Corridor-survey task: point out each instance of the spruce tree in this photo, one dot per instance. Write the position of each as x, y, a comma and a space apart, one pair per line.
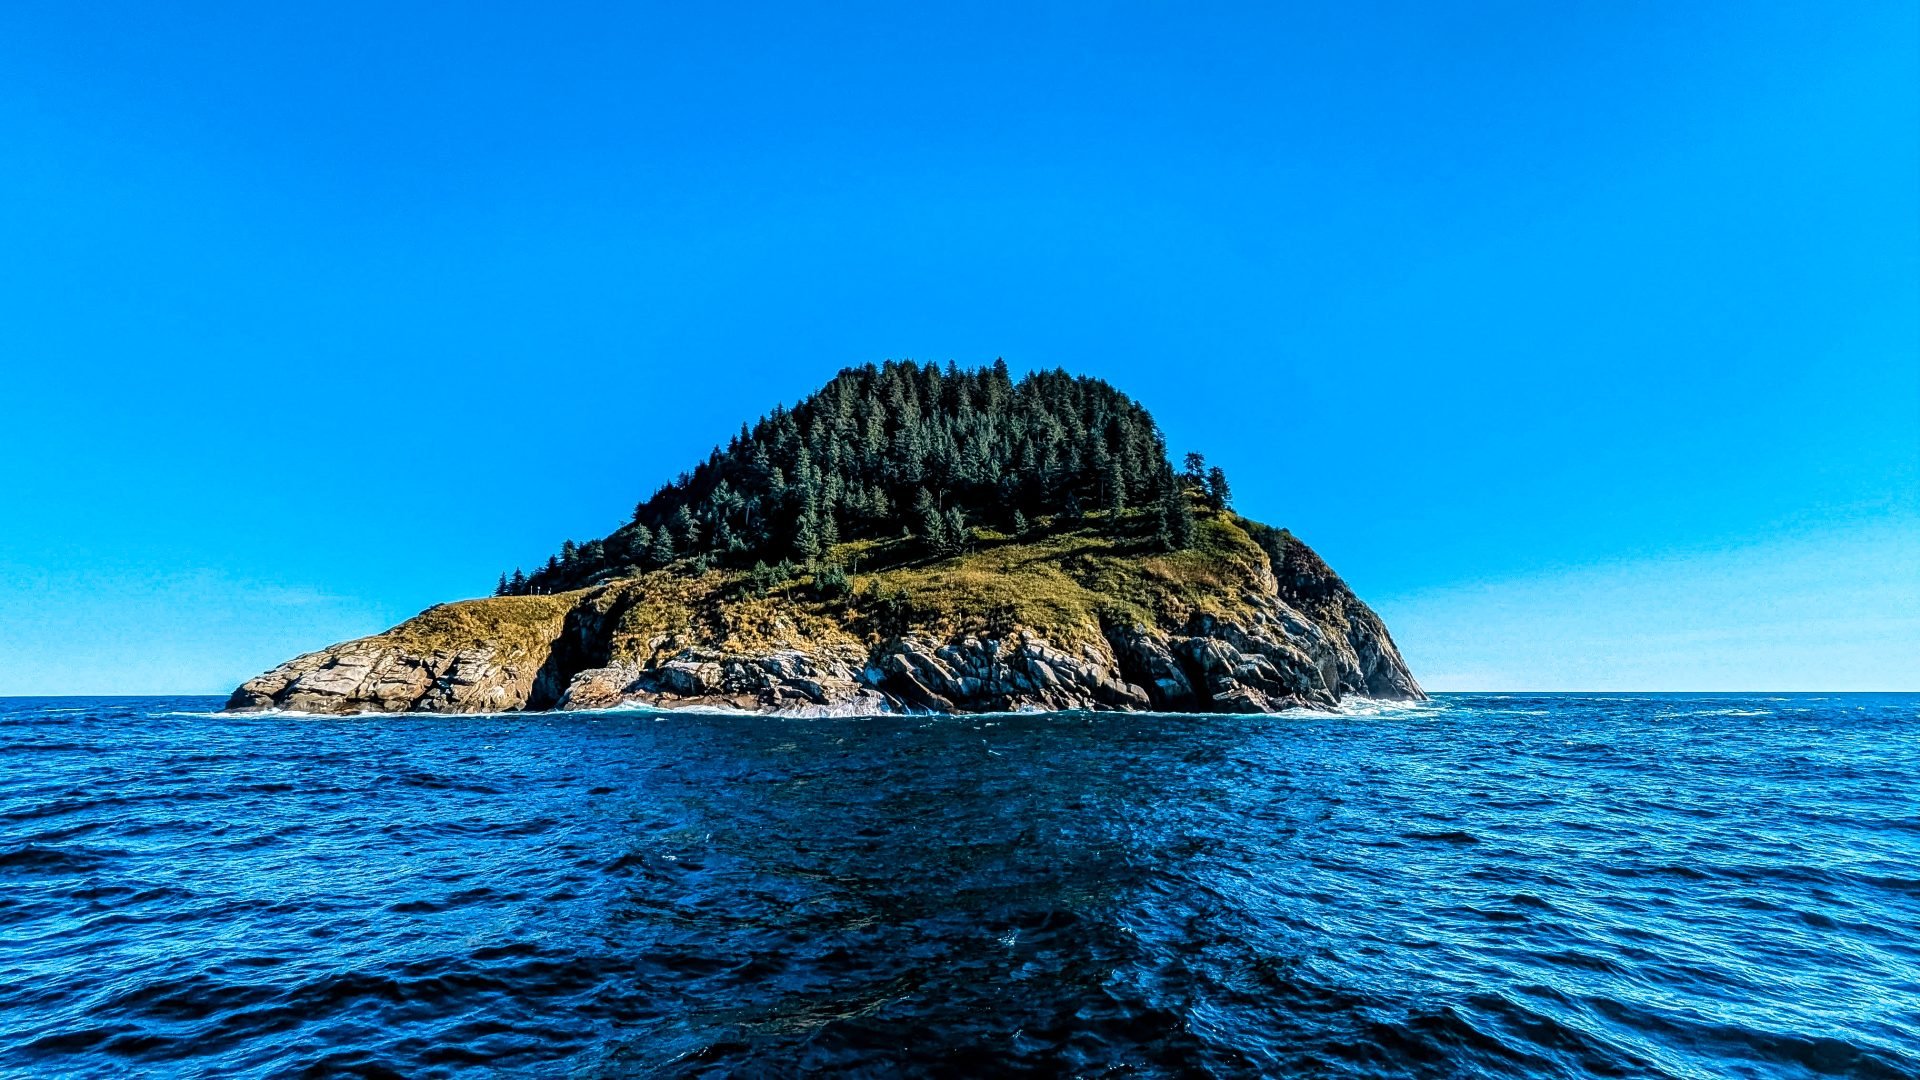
1172, 517
1180, 521
688, 528
954, 531
928, 521
1194, 473
806, 539
854, 458
1219, 496
760, 579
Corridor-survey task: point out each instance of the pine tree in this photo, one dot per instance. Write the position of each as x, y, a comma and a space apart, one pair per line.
688, 528
953, 532
806, 538
895, 449
760, 579
1070, 510
1219, 496
1194, 473
929, 523
517, 584
1173, 518
501, 589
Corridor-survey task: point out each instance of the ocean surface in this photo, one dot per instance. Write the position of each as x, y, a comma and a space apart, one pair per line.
1526, 886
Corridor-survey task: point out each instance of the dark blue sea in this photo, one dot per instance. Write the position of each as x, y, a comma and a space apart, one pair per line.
1523, 886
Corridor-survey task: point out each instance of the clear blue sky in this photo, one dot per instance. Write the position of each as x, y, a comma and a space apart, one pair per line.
1584, 340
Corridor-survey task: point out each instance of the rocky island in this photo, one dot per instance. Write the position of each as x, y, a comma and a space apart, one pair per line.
906, 538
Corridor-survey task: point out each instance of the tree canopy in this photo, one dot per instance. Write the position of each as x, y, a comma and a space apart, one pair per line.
900, 448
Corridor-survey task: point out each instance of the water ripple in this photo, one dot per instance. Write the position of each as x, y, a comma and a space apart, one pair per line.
1511, 885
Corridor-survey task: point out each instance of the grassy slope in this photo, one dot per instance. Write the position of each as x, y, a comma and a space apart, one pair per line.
513, 625
1061, 582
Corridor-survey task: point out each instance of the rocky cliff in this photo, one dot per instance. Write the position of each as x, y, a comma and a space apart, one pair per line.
1249, 620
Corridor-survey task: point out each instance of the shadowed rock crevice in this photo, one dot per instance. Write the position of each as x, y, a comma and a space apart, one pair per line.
1251, 627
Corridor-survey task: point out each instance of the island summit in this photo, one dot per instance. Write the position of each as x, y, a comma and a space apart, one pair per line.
907, 538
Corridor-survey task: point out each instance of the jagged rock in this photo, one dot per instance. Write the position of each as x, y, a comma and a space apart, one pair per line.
1298, 638
364, 676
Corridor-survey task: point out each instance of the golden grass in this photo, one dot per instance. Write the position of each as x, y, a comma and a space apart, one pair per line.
512, 625
1063, 585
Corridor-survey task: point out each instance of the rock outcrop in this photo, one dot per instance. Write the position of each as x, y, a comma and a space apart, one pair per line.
1290, 634
478, 656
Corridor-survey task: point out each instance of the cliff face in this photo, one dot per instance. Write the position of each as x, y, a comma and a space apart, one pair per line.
1077, 621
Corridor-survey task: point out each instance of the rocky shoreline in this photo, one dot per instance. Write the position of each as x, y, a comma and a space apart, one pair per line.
1302, 641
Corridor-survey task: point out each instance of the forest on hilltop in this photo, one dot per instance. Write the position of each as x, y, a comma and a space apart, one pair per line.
903, 450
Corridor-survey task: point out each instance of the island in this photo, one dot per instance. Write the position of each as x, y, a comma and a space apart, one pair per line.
907, 538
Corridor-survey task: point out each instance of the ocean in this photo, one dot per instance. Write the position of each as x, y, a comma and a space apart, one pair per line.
1482, 885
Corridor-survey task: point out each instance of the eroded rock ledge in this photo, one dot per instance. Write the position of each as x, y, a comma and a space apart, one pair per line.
1298, 638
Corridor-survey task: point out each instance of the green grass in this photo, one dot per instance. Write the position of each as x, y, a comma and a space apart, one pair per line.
1061, 581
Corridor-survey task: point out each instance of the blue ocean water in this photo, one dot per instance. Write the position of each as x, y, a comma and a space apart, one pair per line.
1683, 886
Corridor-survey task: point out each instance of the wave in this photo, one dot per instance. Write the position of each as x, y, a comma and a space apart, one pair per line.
1536, 885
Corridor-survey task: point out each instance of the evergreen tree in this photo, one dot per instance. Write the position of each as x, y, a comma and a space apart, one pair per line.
953, 532
661, 553
897, 448
1019, 524
1219, 496
831, 583
517, 584
1116, 488
501, 589
929, 523
1070, 510
687, 528
763, 579
806, 538
1194, 472
1173, 518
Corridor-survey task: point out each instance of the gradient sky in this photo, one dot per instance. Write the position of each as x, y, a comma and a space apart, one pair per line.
1584, 340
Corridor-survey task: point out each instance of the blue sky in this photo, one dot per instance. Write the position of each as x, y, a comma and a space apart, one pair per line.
1584, 340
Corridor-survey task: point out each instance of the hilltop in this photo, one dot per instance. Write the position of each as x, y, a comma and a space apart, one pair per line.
905, 538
